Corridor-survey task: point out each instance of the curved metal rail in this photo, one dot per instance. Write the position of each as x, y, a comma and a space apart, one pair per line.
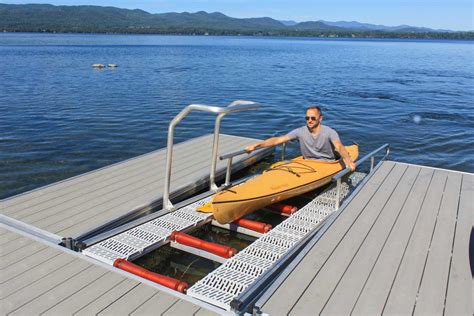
236, 106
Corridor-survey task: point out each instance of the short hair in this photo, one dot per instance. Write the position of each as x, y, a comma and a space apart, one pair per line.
315, 107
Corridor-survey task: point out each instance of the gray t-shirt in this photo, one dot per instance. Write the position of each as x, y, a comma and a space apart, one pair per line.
318, 147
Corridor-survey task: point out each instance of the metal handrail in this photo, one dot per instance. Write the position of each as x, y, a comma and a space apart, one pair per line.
337, 178
236, 106
363, 159
231, 155
243, 151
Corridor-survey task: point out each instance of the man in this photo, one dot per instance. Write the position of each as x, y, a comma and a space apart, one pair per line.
317, 141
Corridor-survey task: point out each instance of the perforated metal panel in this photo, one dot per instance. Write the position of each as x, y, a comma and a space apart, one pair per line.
146, 237
237, 273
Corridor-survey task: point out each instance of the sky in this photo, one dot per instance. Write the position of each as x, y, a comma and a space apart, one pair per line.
437, 14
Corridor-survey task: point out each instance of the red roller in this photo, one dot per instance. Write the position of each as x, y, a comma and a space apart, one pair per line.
174, 284
283, 208
220, 250
253, 225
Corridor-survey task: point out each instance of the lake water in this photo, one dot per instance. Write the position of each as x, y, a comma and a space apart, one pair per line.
59, 117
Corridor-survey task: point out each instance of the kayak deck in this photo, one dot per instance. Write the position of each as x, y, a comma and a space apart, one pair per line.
281, 181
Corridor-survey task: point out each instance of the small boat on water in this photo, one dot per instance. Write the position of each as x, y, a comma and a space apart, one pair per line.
98, 66
281, 181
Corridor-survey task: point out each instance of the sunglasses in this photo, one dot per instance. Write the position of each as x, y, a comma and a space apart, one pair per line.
312, 118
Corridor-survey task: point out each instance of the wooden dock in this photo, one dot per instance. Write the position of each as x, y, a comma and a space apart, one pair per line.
84, 203
399, 246
41, 279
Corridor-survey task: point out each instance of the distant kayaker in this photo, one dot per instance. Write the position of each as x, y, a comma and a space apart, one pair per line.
317, 141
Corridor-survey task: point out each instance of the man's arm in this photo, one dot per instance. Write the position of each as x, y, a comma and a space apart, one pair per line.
341, 149
272, 141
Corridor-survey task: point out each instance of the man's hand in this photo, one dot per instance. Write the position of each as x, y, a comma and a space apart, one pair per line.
351, 165
272, 141
251, 148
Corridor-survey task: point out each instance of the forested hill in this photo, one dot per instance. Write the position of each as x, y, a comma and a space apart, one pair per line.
96, 19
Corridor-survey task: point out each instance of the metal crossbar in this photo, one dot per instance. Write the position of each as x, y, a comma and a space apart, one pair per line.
225, 283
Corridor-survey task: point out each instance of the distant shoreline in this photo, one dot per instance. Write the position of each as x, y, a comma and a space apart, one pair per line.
335, 38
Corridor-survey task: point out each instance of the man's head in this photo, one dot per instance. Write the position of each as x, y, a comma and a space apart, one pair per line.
314, 116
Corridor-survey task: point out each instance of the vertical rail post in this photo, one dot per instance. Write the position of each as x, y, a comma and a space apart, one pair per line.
283, 149
338, 194
372, 163
215, 147
228, 171
169, 157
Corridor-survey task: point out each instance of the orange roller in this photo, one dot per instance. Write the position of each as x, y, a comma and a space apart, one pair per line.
220, 250
253, 225
283, 208
171, 283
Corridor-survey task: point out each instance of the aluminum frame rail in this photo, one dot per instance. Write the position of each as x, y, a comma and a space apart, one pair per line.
146, 237
228, 281
236, 106
230, 157
337, 178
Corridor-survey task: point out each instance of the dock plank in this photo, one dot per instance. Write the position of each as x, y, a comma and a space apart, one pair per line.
375, 291
205, 312
20, 254
8, 237
14, 246
407, 255
434, 282
181, 308
102, 301
316, 296
348, 289
60, 282
293, 287
36, 259
401, 299
129, 302
36, 273
459, 299
102, 186
28, 293
75, 198
87, 214
78, 205
157, 304
60, 188
85, 296
61, 292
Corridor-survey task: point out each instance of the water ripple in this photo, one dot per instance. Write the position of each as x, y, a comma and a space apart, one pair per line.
60, 117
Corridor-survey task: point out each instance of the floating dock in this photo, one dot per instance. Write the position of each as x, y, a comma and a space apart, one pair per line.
400, 246
82, 206
42, 278
398, 243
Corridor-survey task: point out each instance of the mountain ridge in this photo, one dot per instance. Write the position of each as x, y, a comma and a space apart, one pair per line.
98, 19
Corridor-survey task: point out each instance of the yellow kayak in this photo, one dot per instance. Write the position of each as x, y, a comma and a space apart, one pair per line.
281, 181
